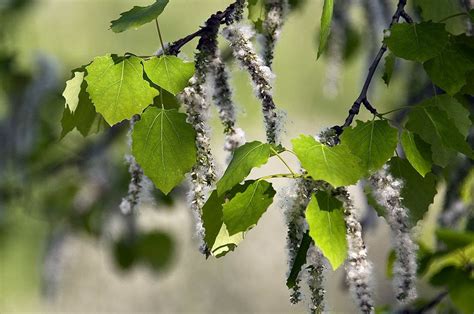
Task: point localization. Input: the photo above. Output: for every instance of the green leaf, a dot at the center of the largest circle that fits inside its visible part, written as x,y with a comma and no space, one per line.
454,239
84,117
374,142
389,67
460,292
248,156
336,165
138,16
118,91
435,127
450,67
257,13
164,146
417,192
216,236
457,258
169,72
325,30
455,111
166,100
418,42
245,209
441,10
417,151
300,260
225,242
72,90
212,218
471,15
325,216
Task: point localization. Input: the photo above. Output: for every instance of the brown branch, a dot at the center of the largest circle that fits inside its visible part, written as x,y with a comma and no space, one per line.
228,16
362,99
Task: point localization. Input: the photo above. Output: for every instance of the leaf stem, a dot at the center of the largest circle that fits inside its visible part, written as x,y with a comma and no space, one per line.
159,35
394,110
282,175
282,160
453,16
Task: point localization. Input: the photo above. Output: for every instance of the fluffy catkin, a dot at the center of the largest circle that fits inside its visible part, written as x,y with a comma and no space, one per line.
315,279
222,95
358,267
239,36
239,10
194,99
295,204
276,11
139,187
386,190
203,174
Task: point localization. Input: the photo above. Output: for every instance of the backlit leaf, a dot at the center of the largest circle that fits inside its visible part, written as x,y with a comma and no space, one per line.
325,216
245,209
336,165
374,142
417,152
138,16
418,42
164,146
325,30
169,72
248,156
118,90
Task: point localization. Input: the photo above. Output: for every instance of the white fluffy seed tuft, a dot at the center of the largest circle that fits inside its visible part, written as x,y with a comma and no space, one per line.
358,268
387,192
239,35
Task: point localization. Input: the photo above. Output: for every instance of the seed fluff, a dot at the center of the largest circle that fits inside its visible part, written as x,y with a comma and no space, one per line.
387,192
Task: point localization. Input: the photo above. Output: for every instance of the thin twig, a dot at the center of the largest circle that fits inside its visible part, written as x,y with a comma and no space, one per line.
224,17
160,36
362,99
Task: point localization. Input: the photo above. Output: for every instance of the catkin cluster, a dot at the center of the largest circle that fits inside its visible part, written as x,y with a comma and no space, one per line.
315,279
295,204
358,267
239,35
276,11
139,188
222,96
387,191
194,99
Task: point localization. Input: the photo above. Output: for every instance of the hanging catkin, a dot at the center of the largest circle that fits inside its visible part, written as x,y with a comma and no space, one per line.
239,36
140,186
315,279
222,95
386,190
276,11
295,204
358,267
194,98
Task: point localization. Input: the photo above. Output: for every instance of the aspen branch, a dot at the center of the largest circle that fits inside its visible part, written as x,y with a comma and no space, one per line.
363,99
222,17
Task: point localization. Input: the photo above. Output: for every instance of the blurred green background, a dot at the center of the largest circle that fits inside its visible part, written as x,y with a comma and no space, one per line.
70,33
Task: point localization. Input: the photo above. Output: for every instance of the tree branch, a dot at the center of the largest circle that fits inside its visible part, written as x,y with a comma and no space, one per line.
362,99
226,17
